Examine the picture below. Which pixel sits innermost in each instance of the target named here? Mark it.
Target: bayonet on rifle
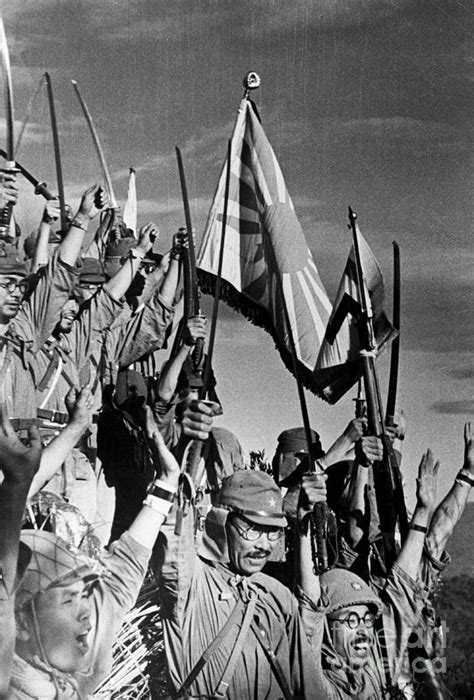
(387, 478)
(192, 293)
(395, 349)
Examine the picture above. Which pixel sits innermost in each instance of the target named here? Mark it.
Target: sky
(365, 103)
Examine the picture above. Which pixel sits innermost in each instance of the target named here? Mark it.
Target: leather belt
(58, 418)
(53, 416)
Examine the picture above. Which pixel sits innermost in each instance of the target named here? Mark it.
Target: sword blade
(7, 74)
(98, 148)
(6, 212)
(57, 152)
(28, 113)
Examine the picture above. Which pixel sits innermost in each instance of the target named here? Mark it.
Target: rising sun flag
(266, 264)
(338, 366)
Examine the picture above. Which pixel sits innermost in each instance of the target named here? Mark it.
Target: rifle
(190, 450)
(395, 350)
(387, 478)
(324, 538)
(192, 296)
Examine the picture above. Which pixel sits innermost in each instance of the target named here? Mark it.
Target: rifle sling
(221, 690)
(247, 623)
(207, 654)
(274, 663)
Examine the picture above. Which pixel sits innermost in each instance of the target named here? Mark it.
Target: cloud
(418, 138)
(152, 207)
(33, 133)
(453, 407)
(131, 20)
(112, 21)
(439, 314)
(463, 372)
(148, 164)
(323, 15)
(164, 28)
(168, 212)
(415, 136)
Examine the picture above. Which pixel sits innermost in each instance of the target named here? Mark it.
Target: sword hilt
(7, 210)
(5, 219)
(42, 189)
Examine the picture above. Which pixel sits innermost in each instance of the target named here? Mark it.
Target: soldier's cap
(255, 496)
(345, 589)
(286, 470)
(119, 247)
(52, 563)
(10, 261)
(91, 272)
(130, 385)
(294, 440)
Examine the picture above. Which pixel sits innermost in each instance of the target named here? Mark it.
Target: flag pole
(251, 81)
(321, 512)
(215, 306)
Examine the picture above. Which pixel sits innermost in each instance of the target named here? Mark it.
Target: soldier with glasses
(361, 637)
(230, 630)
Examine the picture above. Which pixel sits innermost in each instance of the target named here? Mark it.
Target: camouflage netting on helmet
(53, 562)
(49, 512)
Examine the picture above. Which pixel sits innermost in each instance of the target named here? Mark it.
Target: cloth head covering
(290, 442)
(52, 563)
(115, 252)
(254, 495)
(91, 272)
(223, 455)
(10, 261)
(119, 247)
(130, 388)
(344, 589)
(250, 493)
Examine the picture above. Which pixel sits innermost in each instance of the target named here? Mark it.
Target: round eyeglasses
(253, 533)
(10, 286)
(88, 287)
(353, 620)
